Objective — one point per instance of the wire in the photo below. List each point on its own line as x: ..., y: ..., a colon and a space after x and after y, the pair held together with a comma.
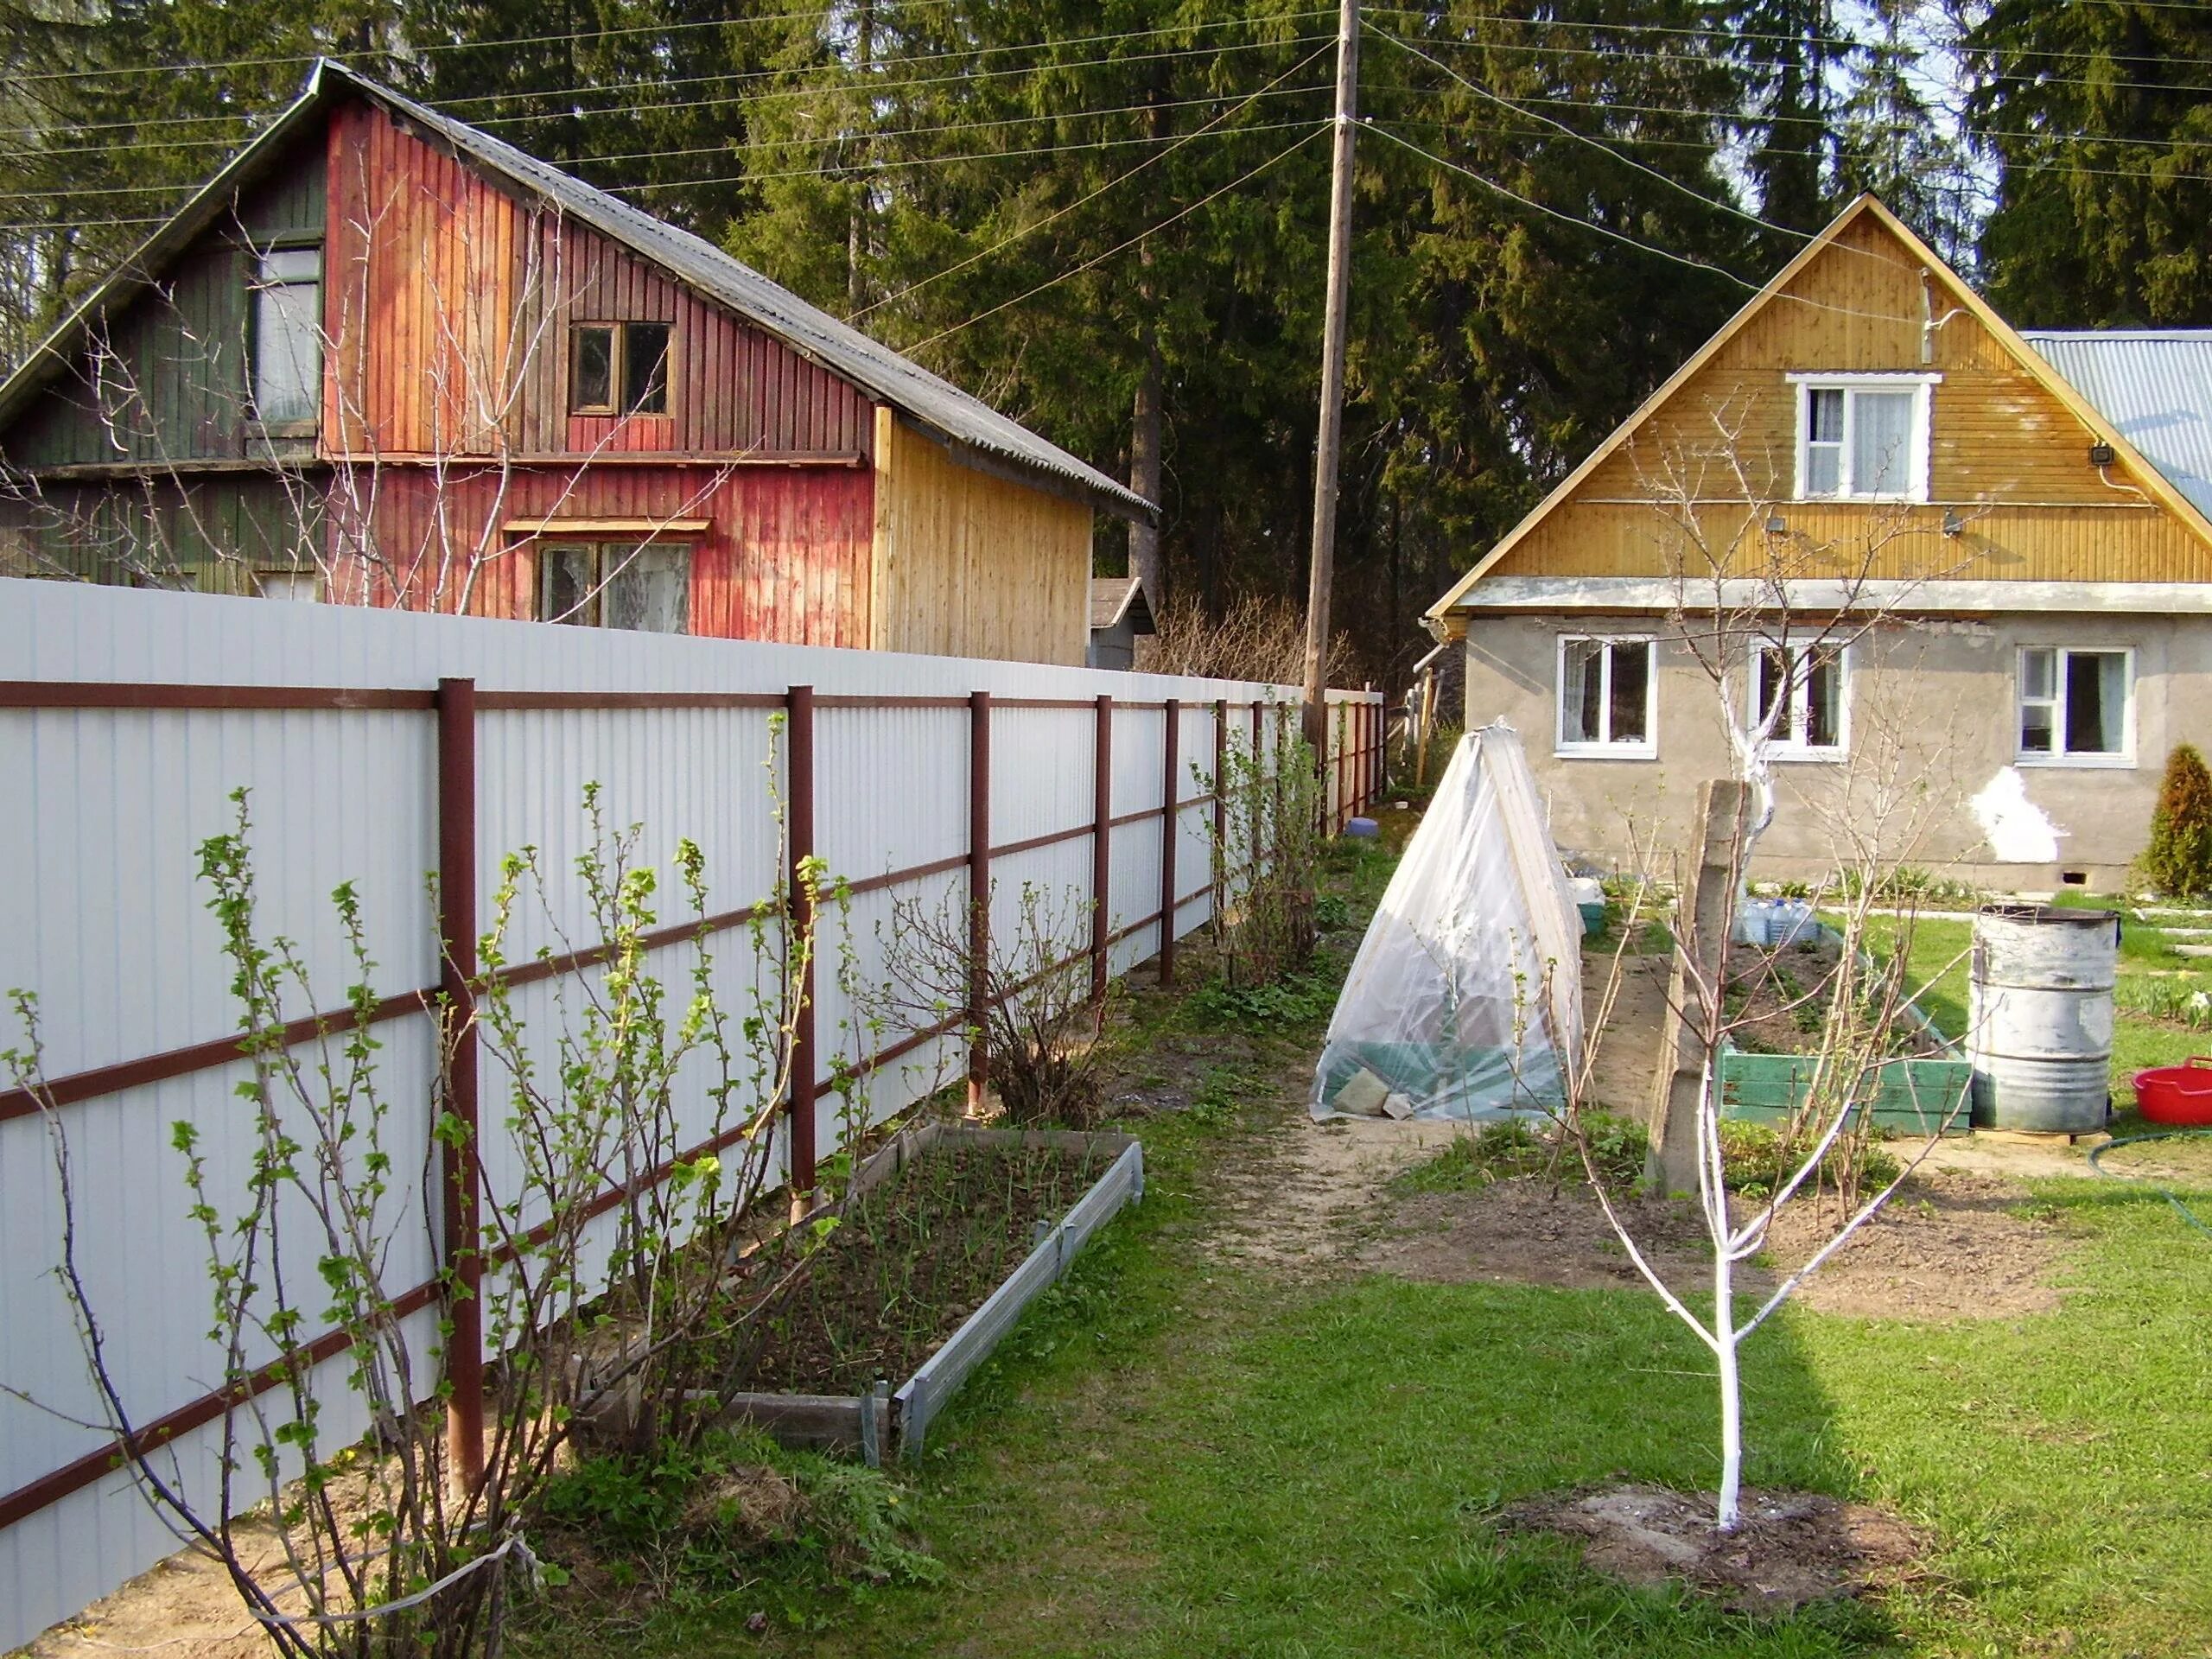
x: 887, y: 84
x: 896, y: 164
x: 1121, y: 247
x: 487, y: 43
x: 872, y: 167
x: 1029, y: 230
x: 1729, y: 36
x: 1626, y: 240
x: 1583, y: 137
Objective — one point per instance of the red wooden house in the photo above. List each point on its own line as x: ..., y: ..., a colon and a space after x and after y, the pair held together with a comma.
x: 385, y: 358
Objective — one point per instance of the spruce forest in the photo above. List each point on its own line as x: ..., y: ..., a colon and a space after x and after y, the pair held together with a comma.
x: 1109, y: 219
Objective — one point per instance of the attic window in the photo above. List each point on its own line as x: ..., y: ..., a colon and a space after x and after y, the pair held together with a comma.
x: 619, y: 368
x: 287, y: 337
x: 1863, y: 437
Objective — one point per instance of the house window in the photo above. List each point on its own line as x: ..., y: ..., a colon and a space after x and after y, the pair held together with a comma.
x: 619, y: 368
x: 1606, y: 695
x: 304, y: 586
x: 287, y: 337
x: 1863, y: 437
x: 616, y: 585
x: 2075, y: 706
x: 1800, y: 686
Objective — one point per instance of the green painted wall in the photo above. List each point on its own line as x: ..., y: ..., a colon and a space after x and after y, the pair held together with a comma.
x: 168, y: 389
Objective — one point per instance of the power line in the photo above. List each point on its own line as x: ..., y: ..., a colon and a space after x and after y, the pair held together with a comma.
x: 660, y: 28
x: 1062, y: 212
x: 1270, y: 90
x: 871, y: 88
x: 1723, y: 37
x: 896, y: 164
x: 910, y: 161
x: 1122, y: 247
x: 1626, y: 240
x: 1671, y: 182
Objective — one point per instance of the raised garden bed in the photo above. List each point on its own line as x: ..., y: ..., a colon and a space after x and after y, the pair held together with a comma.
x: 1769, y: 1079
x: 948, y: 1234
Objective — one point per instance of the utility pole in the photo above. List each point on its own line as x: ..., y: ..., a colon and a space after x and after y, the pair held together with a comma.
x: 1322, y: 576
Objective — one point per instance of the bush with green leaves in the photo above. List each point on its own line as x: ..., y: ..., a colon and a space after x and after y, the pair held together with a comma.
x: 2178, y: 860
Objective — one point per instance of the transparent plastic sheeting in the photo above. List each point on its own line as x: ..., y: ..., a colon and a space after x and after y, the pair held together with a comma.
x: 1467, y: 990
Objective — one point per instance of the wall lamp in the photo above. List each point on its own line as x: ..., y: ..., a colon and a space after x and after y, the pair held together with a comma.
x: 1954, y: 527
x: 1777, y: 524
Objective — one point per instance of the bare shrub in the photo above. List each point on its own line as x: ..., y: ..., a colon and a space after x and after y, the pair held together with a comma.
x: 1028, y: 995
x: 1259, y: 636
x: 1267, y: 858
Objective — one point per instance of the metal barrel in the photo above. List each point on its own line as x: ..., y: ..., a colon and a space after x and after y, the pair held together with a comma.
x: 2039, y: 1031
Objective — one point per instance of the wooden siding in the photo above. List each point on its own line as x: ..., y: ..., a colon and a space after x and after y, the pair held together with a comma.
x: 785, y: 556
x: 2004, y: 453
x: 169, y: 384
x: 211, y: 533
x: 969, y: 564
x: 452, y: 300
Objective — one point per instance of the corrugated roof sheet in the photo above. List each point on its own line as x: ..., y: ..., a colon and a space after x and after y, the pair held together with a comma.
x: 934, y: 403
x: 2155, y: 384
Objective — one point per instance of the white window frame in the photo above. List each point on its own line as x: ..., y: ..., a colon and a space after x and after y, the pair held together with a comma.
x: 1648, y: 749
x: 2058, y: 756
x: 1922, y: 387
x: 1781, y: 748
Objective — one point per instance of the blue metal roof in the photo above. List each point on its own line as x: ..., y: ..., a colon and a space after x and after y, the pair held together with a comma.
x: 2155, y: 384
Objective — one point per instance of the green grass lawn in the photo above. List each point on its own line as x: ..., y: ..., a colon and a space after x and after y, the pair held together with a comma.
x: 1181, y: 1453
x: 1174, y: 1455
x: 1937, y: 960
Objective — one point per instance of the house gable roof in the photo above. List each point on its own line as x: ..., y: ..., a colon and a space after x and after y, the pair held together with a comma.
x: 920, y: 397
x: 1952, y: 286
x: 1113, y: 598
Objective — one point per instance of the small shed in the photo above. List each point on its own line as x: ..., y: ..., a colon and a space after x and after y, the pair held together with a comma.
x: 1119, y: 612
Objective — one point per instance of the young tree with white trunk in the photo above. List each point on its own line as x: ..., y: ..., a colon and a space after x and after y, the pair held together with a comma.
x: 1774, y: 619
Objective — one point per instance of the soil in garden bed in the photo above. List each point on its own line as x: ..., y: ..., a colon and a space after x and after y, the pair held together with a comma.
x: 1782, y: 1000
x: 907, y: 1264
x: 1790, y: 1548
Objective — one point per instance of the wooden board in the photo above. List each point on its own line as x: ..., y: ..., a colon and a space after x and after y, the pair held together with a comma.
x: 2006, y: 452
x: 969, y: 564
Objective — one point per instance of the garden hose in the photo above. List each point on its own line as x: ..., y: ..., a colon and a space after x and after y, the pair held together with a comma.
x: 2180, y: 1209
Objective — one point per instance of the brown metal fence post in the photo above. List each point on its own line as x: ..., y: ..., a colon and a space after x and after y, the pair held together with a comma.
x: 463, y: 1264
x: 1217, y: 860
x: 798, y: 706
x: 1102, y: 846
x: 979, y: 890
x: 1171, y: 824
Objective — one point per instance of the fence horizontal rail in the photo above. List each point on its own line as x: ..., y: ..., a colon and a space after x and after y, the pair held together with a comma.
x: 1147, y: 763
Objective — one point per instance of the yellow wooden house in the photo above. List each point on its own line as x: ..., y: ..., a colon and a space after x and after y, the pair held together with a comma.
x: 1952, y: 584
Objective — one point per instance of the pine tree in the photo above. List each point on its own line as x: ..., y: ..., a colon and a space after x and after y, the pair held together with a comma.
x: 2178, y: 861
x: 1787, y: 50
x: 2102, y: 118
x: 1896, y: 142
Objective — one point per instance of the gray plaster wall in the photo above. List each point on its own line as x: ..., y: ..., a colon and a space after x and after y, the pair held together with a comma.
x: 1928, y: 778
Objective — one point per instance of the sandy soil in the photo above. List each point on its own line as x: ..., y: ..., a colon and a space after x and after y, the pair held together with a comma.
x: 184, y: 1608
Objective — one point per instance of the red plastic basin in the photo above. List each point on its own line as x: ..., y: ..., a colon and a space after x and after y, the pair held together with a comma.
x: 2176, y: 1094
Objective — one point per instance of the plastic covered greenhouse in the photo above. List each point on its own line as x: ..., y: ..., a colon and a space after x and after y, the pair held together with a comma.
x: 1466, y: 995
